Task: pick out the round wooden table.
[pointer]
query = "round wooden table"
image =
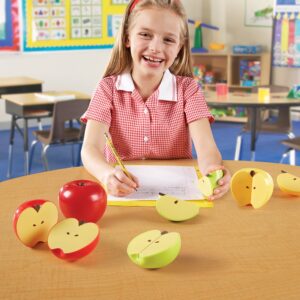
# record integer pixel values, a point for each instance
(250, 101)
(227, 252)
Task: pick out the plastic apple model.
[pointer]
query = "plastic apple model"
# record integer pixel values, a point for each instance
(289, 183)
(252, 186)
(154, 249)
(208, 183)
(71, 239)
(33, 220)
(174, 209)
(84, 200)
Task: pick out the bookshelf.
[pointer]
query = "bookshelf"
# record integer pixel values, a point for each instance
(225, 67)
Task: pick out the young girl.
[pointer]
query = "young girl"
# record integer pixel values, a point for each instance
(148, 100)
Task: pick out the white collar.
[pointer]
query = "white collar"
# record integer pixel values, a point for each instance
(167, 89)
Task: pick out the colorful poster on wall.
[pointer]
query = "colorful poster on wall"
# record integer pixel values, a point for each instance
(286, 41)
(258, 13)
(9, 25)
(71, 24)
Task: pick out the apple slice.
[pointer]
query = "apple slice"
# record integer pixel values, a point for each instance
(154, 249)
(208, 183)
(252, 186)
(174, 209)
(33, 219)
(71, 240)
(289, 183)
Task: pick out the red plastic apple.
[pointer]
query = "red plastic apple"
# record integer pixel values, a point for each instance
(84, 200)
(33, 220)
(71, 239)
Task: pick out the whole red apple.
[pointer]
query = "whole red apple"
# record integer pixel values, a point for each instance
(84, 200)
(33, 219)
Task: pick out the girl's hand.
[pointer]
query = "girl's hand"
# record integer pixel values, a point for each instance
(223, 183)
(118, 184)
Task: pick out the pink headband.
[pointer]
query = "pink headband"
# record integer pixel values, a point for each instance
(133, 5)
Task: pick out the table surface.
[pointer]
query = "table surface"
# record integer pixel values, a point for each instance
(31, 99)
(227, 252)
(249, 99)
(18, 81)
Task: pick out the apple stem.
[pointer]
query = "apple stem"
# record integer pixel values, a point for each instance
(81, 222)
(80, 184)
(37, 207)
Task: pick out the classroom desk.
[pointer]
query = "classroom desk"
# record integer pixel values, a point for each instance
(250, 101)
(14, 85)
(227, 252)
(18, 105)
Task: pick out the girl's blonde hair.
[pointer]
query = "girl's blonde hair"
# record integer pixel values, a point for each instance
(121, 60)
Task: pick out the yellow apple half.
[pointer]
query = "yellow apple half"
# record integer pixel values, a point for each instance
(154, 249)
(33, 220)
(174, 209)
(252, 186)
(71, 240)
(289, 183)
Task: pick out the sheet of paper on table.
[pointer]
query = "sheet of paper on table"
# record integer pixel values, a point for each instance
(178, 181)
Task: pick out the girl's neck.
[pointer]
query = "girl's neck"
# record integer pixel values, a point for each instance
(146, 85)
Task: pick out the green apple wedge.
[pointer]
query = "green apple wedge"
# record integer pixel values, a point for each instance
(154, 249)
(174, 209)
(208, 183)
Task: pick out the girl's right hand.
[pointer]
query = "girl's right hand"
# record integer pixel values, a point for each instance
(118, 184)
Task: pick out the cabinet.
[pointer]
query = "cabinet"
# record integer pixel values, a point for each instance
(225, 67)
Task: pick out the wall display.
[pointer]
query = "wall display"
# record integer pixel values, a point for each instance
(74, 24)
(258, 13)
(286, 33)
(9, 25)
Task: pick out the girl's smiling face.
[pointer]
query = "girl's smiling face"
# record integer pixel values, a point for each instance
(154, 41)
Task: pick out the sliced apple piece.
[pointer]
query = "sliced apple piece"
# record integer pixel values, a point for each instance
(174, 209)
(33, 220)
(71, 240)
(154, 249)
(208, 183)
(289, 183)
(252, 186)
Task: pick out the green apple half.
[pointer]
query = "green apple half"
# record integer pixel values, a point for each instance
(208, 183)
(174, 209)
(154, 249)
(71, 239)
(289, 183)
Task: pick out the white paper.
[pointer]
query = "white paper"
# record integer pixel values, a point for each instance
(55, 97)
(176, 181)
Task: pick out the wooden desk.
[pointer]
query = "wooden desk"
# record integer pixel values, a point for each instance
(13, 85)
(227, 252)
(18, 105)
(250, 101)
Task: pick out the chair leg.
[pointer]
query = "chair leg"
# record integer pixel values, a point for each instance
(40, 125)
(238, 146)
(79, 155)
(31, 153)
(292, 157)
(285, 155)
(44, 157)
(10, 154)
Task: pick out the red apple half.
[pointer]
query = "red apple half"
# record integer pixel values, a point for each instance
(71, 239)
(84, 200)
(33, 220)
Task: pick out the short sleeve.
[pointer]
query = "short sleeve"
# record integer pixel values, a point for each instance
(195, 104)
(100, 106)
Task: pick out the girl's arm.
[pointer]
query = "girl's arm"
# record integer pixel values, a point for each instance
(208, 156)
(92, 154)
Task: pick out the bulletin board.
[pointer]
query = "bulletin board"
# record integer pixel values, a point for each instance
(286, 33)
(9, 25)
(51, 25)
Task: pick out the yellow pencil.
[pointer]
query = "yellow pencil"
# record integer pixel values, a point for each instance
(116, 155)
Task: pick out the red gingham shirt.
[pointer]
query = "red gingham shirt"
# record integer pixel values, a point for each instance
(153, 129)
